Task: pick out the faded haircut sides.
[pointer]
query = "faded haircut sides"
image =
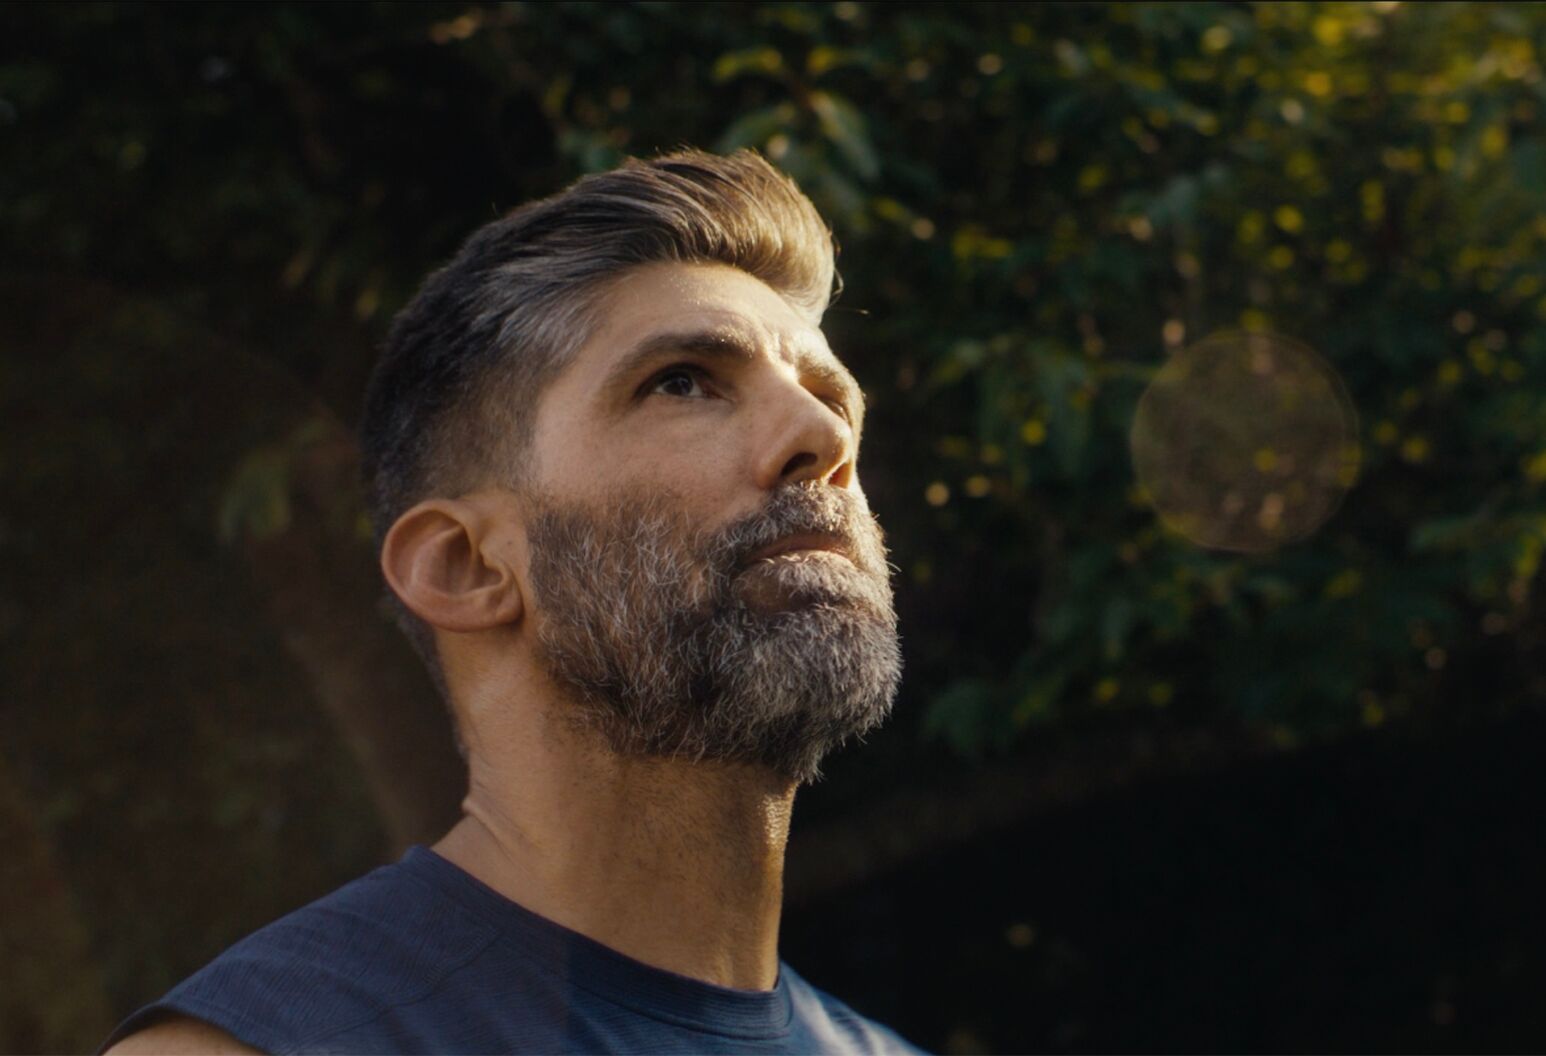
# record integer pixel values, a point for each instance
(451, 402)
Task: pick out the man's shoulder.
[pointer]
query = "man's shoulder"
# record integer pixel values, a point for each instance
(181, 1036)
(380, 942)
(833, 1026)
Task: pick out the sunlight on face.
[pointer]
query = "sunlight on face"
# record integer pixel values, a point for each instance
(702, 381)
(708, 580)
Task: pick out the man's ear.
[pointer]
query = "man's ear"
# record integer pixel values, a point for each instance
(446, 560)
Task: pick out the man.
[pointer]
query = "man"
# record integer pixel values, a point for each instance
(613, 474)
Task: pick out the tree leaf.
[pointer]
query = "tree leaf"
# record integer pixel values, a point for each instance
(842, 123)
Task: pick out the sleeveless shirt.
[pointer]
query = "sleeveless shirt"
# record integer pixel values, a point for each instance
(419, 956)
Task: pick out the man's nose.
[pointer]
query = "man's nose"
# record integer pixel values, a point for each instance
(809, 440)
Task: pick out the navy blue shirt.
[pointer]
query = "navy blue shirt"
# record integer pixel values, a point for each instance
(421, 957)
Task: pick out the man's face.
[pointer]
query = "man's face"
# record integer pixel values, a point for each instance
(707, 580)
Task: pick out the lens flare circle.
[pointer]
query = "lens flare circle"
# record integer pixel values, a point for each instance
(1245, 442)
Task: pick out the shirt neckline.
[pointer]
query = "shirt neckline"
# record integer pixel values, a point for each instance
(599, 970)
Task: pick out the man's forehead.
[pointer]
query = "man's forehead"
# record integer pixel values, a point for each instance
(703, 304)
(800, 346)
(712, 294)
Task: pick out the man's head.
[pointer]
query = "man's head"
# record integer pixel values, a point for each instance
(591, 427)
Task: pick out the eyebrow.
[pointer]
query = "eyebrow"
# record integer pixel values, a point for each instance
(733, 346)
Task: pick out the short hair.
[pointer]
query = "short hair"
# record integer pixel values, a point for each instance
(450, 404)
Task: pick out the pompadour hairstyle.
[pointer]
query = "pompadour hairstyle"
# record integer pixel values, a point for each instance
(450, 404)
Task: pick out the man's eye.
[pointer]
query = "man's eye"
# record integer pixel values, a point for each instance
(678, 381)
(839, 406)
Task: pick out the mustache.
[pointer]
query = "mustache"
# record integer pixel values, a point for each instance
(796, 509)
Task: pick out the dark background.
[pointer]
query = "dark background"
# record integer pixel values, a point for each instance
(1137, 795)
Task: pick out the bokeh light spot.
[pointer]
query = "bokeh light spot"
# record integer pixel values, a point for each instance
(1020, 935)
(1245, 442)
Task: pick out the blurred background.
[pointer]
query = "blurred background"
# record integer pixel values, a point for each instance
(1137, 795)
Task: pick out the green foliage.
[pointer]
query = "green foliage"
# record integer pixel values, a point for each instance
(1035, 201)
(256, 501)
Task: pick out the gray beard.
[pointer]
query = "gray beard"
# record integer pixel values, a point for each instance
(670, 646)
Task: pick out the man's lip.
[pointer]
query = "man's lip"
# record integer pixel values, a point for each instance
(803, 541)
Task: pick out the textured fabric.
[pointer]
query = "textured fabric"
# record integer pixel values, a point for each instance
(420, 957)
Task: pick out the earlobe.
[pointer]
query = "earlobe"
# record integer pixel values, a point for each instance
(437, 559)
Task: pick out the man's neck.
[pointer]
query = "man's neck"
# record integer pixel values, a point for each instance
(678, 865)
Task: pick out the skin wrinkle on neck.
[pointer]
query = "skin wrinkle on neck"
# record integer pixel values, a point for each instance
(603, 836)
